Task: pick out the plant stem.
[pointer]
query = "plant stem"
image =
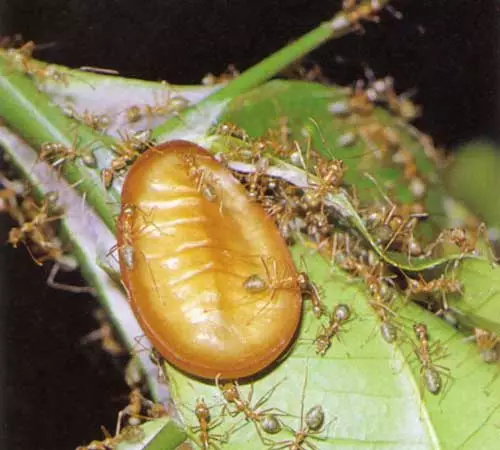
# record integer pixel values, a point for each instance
(341, 24)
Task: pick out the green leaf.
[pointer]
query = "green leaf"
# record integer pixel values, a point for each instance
(479, 306)
(473, 178)
(295, 103)
(340, 200)
(158, 434)
(371, 391)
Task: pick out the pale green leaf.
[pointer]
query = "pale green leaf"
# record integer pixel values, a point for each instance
(371, 391)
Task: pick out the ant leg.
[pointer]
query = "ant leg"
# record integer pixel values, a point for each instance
(66, 287)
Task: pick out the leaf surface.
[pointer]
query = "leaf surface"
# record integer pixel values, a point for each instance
(370, 390)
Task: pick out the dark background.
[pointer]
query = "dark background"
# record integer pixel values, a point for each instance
(56, 392)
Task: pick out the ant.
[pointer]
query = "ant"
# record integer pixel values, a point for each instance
(323, 341)
(441, 284)
(129, 434)
(256, 284)
(133, 220)
(126, 152)
(231, 130)
(464, 239)
(170, 104)
(255, 187)
(21, 59)
(430, 373)
(382, 90)
(391, 226)
(98, 122)
(311, 426)
(104, 334)
(34, 230)
(487, 345)
(57, 154)
(9, 203)
(266, 418)
(229, 74)
(205, 181)
(207, 439)
(331, 174)
(137, 403)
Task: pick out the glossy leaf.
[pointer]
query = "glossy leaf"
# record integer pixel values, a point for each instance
(371, 391)
(295, 103)
(339, 200)
(158, 434)
(479, 306)
(472, 177)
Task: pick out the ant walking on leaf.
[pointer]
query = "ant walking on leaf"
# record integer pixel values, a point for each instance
(263, 419)
(312, 425)
(256, 284)
(427, 354)
(207, 439)
(323, 341)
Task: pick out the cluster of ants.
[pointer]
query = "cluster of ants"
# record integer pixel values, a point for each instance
(303, 213)
(267, 421)
(37, 230)
(130, 144)
(20, 59)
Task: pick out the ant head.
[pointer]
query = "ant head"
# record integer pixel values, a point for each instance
(201, 411)
(303, 280)
(420, 330)
(230, 392)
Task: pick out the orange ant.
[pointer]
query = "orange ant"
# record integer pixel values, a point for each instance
(206, 438)
(171, 104)
(205, 180)
(33, 230)
(266, 419)
(487, 345)
(9, 203)
(381, 294)
(381, 140)
(132, 221)
(57, 154)
(21, 59)
(389, 226)
(133, 372)
(255, 189)
(229, 74)
(127, 434)
(256, 284)
(441, 284)
(314, 419)
(98, 122)
(133, 114)
(127, 151)
(231, 130)
(323, 341)
(331, 174)
(353, 13)
(311, 426)
(137, 402)
(466, 240)
(430, 373)
(126, 227)
(104, 334)
(382, 90)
